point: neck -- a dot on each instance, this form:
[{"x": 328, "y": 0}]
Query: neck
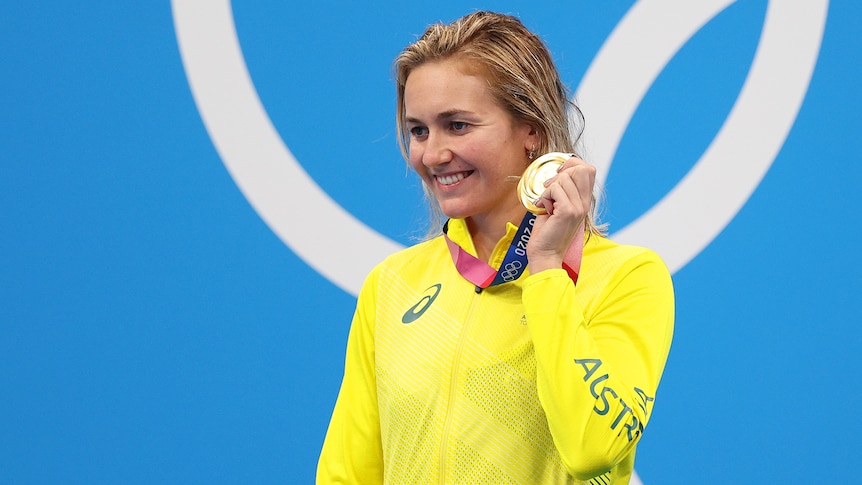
[{"x": 487, "y": 229}]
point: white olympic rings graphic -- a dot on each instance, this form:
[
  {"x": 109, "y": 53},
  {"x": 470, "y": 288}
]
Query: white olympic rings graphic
[
  {"x": 678, "y": 227},
  {"x": 511, "y": 270}
]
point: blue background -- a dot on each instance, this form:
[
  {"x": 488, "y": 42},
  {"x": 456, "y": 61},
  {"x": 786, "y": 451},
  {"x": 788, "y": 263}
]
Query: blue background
[{"x": 153, "y": 329}]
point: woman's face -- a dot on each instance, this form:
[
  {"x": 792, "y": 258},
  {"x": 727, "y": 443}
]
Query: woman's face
[{"x": 463, "y": 144}]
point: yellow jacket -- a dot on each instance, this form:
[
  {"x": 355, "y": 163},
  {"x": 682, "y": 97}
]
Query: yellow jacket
[{"x": 534, "y": 381}]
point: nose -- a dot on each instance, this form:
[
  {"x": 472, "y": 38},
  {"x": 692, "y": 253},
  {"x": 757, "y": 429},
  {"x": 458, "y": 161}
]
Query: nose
[{"x": 436, "y": 151}]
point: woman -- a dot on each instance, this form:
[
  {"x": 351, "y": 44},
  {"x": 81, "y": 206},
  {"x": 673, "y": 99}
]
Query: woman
[{"x": 506, "y": 350}]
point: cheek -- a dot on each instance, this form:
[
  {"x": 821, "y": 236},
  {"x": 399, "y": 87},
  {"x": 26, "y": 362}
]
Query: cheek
[{"x": 415, "y": 158}]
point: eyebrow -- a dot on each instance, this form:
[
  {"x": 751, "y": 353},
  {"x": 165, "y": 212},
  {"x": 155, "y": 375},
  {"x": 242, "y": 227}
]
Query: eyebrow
[{"x": 448, "y": 114}]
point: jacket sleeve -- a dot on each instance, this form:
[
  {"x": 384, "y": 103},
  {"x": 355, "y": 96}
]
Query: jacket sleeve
[
  {"x": 597, "y": 375},
  {"x": 352, "y": 451}
]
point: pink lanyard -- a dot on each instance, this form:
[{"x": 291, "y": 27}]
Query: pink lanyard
[{"x": 514, "y": 263}]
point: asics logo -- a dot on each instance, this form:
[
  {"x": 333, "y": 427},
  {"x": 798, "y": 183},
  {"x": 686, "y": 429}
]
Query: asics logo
[{"x": 419, "y": 308}]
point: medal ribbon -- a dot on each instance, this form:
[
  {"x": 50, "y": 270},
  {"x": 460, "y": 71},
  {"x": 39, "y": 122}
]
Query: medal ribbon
[{"x": 514, "y": 263}]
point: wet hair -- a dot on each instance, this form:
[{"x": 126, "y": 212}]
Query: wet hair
[{"x": 520, "y": 73}]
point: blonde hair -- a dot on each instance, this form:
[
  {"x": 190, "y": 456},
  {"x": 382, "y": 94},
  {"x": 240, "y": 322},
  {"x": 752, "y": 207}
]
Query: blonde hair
[{"x": 521, "y": 76}]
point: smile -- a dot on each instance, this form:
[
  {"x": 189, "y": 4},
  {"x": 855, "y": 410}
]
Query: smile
[{"x": 452, "y": 178}]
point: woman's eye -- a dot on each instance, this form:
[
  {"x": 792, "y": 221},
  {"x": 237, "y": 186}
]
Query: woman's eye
[{"x": 418, "y": 131}]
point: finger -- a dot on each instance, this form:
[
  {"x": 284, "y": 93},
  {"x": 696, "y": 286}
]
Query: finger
[
  {"x": 586, "y": 179},
  {"x": 565, "y": 195},
  {"x": 578, "y": 181},
  {"x": 571, "y": 162},
  {"x": 580, "y": 166},
  {"x": 562, "y": 196},
  {"x": 576, "y": 178},
  {"x": 545, "y": 201}
]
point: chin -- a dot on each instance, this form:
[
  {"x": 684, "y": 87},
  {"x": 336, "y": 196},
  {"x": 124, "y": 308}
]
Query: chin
[{"x": 455, "y": 212}]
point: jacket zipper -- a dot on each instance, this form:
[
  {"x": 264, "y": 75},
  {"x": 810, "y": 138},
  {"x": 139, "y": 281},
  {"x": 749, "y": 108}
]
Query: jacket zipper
[{"x": 453, "y": 385}]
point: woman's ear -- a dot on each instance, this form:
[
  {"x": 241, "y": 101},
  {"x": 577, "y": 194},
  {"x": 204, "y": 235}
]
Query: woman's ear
[{"x": 532, "y": 141}]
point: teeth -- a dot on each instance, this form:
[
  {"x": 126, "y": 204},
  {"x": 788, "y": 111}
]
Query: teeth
[{"x": 451, "y": 179}]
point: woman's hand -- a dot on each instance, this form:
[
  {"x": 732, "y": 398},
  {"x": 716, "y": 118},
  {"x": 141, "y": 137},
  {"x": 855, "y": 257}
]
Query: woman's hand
[{"x": 567, "y": 198}]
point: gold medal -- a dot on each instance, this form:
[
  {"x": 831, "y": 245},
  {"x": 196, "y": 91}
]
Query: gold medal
[{"x": 532, "y": 183}]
